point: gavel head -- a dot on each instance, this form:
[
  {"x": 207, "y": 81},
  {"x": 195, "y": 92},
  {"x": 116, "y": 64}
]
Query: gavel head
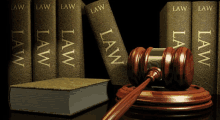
[{"x": 176, "y": 65}]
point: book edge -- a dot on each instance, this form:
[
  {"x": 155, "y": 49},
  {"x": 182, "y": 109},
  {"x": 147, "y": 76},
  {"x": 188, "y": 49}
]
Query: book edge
[{"x": 57, "y": 89}]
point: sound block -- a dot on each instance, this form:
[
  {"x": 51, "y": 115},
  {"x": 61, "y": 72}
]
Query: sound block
[{"x": 193, "y": 98}]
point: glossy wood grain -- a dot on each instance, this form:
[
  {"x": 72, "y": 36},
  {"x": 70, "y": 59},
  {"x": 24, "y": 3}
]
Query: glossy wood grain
[
  {"x": 133, "y": 65},
  {"x": 176, "y": 72},
  {"x": 193, "y": 95},
  {"x": 183, "y": 69},
  {"x": 167, "y": 66},
  {"x": 176, "y": 65},
  {"x": 143, "y": 63},
  {"x": 123, "y": 105},
  {"x": 194, "y": 98}
]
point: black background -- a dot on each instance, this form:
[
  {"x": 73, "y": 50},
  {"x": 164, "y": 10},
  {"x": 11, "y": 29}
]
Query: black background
[{"x": 138, "y": 23}]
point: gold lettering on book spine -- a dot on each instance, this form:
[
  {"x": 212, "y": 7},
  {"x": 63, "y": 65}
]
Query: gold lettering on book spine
[
  {"x": 178, "y": 42},
  {"x": 70, "y": 58},
  {"x": 111, "y": 45},
  {"x": 67, "y": 6},
  {"x": 18, "y": 44},
  {"x": 205, "y": 44},
  {"x": 68, "y": 44},
  {"x": 45, "y": 58},
  {"x": 205, "y": 8},
  {"x": 97, "y": 8},
  {"x": 43, "y": 7},
  {"x": 43, "y": 44},
  {"x": 179, "y": 8},
  {"x": 19, "y": 58},
  {"x": 18, "y": 7}
]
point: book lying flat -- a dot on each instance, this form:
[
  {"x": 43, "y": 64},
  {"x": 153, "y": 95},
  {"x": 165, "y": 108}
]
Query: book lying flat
[{"x": 62, "y": 96}]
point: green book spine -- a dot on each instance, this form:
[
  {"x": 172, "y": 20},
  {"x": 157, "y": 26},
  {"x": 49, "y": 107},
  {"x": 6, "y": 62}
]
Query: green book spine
[
  {"x": 70, "y": 39},
  {"x": 20, "y": 65},
  {"x": 175, "y": 25},
  {"x": 204, "y": 26},
  {"x": 109, "y": 40},
  {"x": 44, "y": 48}
]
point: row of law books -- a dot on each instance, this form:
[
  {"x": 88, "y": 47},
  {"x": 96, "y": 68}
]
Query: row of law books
[
  {"x": 47, "y": 40},
  {"x": 47, "y": 60},
  {"x": 195, "y": 25}
]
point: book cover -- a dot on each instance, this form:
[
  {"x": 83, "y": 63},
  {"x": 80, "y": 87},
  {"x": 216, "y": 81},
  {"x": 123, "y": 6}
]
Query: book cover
[
  {"x": 20, "y": 64},
  {"x": 70, "y": 39},
  {"x": 44, "y": 44},
  {"x": 109, "y": 40},
  {"x": 204, "y": 31},
  {"x": 61, "y": 96},
  {"x": 175, "y": 25}
]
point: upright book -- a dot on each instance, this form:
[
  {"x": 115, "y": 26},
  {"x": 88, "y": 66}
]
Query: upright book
[
  {"x": 70, "y": 39},
  {"x": 44, "y": 44},
  {"x": 218, "y": 69},
  {"x": 204, "y": 31},
  {"x": 175, "y": 25},
  {"x": 20, "y": 65},
  {"x": 62, "y": 96},
  {"x": 109, "y": 40}
]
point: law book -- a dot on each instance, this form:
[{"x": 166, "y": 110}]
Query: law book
[
  {"x": 44, "y": 45},
  {"x": 218, "y": 70},
  {"x": 20, "y": 64},
  {"x": 109, "y": 40},
  {"x": 204, "y": 42},
  {"x": 60, "y": 96},
  {"x": 93, "y": 113},
  {"x": 70, "y": 39},
  {"x": 175, "y": 25}
]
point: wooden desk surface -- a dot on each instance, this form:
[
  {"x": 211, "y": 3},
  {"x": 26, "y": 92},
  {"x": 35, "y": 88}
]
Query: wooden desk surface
[{"x": 97, "y": 112}]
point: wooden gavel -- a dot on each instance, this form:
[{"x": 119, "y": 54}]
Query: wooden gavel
[{"x": 175, "y": 68}]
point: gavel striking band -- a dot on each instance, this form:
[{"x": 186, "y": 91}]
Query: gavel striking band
[{"x": 177, "y": 70}]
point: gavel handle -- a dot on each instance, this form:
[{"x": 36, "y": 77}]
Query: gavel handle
[{"x": 124, "y": 104}]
